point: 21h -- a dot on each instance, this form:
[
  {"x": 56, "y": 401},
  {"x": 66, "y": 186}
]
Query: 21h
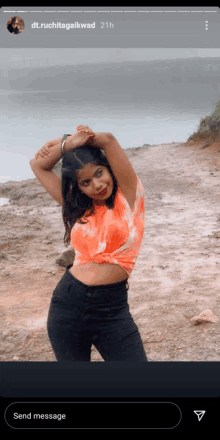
[{"x": 107, "y": 25}]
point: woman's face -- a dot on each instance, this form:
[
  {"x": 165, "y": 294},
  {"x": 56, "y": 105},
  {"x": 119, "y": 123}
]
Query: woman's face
[
  {"x": 17, "y": 23},
  {"x": 92, "y": 179}
]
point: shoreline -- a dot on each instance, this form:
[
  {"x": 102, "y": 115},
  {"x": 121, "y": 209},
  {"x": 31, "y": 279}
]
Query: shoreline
[
  {"x": 23, "y": 192},
  {"x": 133, "y": 149}
]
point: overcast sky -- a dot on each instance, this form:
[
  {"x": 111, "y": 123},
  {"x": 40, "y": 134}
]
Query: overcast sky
[{"x": 81, "y": 56}]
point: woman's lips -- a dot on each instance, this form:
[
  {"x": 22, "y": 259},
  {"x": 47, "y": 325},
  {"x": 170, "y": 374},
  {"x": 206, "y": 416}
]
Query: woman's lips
[{"x": 102, "y": 193}]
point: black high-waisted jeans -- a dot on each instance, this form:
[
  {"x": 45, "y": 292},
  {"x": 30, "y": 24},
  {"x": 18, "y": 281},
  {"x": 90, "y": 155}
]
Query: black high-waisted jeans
[{"x": 82, "y": 315}]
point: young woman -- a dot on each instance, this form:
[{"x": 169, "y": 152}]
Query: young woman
[
  {"x": 103, "y": 212},
  {"x": 16, "y": 25}
]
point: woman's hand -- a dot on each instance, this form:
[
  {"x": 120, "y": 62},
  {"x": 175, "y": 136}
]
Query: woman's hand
[
  {"x": 76, "y": 140},
  {"x": 79, "y": 139},
  {"x": 100, "y": 140},
  {"x": 83, "y": 135},
  {"x": 44, "y": 151}
]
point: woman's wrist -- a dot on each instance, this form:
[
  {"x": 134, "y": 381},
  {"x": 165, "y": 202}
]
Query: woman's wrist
[
  {"x": 101, "y": 140},
  {"x": 68, "y": 146}
]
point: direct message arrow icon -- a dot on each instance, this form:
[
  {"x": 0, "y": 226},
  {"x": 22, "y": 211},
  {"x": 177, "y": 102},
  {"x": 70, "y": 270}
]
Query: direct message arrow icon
[{"x": 199, "y": 414}]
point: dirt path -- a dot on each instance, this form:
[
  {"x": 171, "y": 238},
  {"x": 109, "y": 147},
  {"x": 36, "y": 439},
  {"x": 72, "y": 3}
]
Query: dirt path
[{"x": 176, "y": 276}]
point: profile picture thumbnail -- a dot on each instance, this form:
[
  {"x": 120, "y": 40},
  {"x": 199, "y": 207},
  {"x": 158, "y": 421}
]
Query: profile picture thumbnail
[{"x": 15, "y": 25}]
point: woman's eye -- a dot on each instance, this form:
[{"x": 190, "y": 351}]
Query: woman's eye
[{"x": 100, "y": 171}]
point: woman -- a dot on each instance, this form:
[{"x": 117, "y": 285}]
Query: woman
[
  {"x": 89, "y": 304},
  {"x": 14, "y": 26}
]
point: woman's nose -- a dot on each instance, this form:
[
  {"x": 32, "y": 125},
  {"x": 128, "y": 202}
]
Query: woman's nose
[{"x": 98, "y": 187}]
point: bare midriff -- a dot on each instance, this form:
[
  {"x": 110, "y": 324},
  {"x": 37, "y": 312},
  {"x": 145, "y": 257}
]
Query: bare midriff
[{"x": 95, "y": 274}]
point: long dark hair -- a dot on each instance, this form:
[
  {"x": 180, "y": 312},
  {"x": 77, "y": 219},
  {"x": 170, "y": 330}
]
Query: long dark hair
[
  {"x": 13, "y": 20},
  {"x": 77, "y": 203}
]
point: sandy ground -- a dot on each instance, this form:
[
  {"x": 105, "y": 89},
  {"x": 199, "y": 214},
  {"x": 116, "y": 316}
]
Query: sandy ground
[{"x": 176, "y": 276}]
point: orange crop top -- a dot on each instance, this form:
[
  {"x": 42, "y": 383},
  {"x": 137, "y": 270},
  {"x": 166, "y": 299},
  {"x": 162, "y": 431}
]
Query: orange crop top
[{"x": 111, "y": 235}]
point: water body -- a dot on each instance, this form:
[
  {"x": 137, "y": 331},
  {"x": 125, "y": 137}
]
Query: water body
[
  {"x": 136, "y": 111},
  {"x": 3, "y": 201}
]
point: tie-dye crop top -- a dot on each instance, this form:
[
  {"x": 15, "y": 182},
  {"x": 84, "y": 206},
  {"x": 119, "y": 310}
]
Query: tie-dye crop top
[{"x": 111, "y": 235}]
